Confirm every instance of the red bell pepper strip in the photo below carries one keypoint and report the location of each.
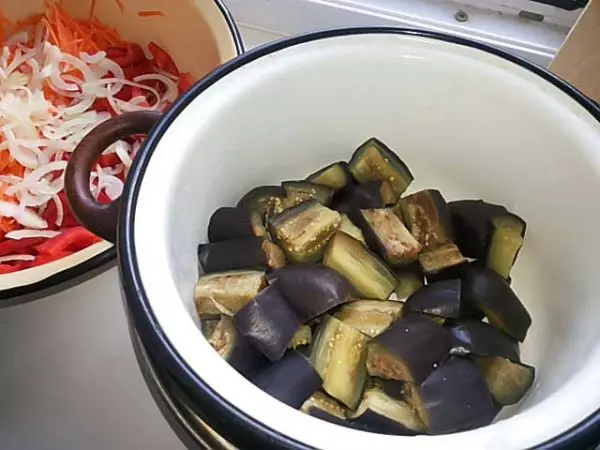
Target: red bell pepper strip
(70, 240)
(162, 59)
(19, 246)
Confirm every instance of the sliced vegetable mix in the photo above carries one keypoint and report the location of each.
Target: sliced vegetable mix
(361, 305)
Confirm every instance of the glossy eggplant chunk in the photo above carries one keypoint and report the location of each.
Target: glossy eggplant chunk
(240, 253)
(408, 280)
(304, 230)
(336, 176)
(472, 337)
(365, 271)
(507, 380)
(267, 200)
(208, 325)
(392, 388)
(300, 191)
(227, 292)
(290, 380)
(445, 256)
(311, 289)
(302, 337)
(409, 350)
(348, 227)
(375, 194)
(375, 161)
(268, 323)
(491, 294)
(338, 354)
(472, 221)
(231, 223)
(379, 412)
(370, 317)
(441, 299)
(455, 398)
(427, 216)
(323, 407)
(387, 236)
(506, 240)
(234, 349)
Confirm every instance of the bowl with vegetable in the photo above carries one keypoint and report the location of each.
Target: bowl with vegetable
(367, 238)
(65, 67)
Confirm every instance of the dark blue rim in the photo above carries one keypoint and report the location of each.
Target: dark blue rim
(227, 420)
(93, 266)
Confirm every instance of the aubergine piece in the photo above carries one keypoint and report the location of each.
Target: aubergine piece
(472, 221)
(227, 292)
(505, 242)
(300, 191)
(302, 337)
(240, 253)
(409, 350)
(304, 230)
(367, 273)
(384, 414)
(348, 227)
(234, 349)
(387, 236)
(290, 380)
(392, 388)
(408, 280)
(338, 354)
(336, 176)
(439, 259)
(507, 380)
(374, 160)
(311, 289)
(267, 200)
(472, 337)
(209, 324)
(235, 222)
(375, 194)
(268, 323)
(441, 299)
(323, 407)
(491, 294)
(427, 216)
(370, 317)
(455, 398)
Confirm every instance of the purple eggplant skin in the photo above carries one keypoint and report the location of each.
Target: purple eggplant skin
(290, 380)
(268, 323)
(241, 253)
(491, 294)
(409, 350)
(472, 220)
(264, 199)
(455, 397)
(373, 194)
(441, 299)
(311, 289)
(482, 339)
(235, 222)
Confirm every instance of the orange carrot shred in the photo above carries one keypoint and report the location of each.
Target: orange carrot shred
(150, 13)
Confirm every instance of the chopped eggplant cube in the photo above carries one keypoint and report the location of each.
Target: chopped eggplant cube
(338, 354)
(300, 191)
(387, 236)
(375, 161)
(240, 253)
(348, 227)
(472, 337)
(302, 337)
(392, 388)
(506, 240)
(231, 223)
(492, 295)
(408, 280)
(455, 398)
(507, 380)
(472, 221)
(335, 176)
(304, 230)
(227, 292)
(268, 323)
(409, 350)
(427, 216)
(384, 414)
(434, 261)
(323, 407)
(311, 289)
(290, 380)
(375, 194)
(208, 325)
(441, 299)
(267, 200)
(367, 273)
(370, 317)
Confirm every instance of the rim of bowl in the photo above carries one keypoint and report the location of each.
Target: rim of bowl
(49, 278)
(226, 418)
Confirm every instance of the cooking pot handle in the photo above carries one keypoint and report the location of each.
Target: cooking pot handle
(100, 219)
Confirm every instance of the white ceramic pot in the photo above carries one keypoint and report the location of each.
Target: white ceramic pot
(468, 120)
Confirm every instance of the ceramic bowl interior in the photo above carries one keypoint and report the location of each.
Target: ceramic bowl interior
(467, 122)
(195, 33)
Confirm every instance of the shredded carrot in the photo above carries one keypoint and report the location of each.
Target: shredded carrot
(150, 13)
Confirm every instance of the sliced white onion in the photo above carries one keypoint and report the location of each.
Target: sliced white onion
(17, 38)
(10, 258)
(31, 179)
(25, 217)
(92, 59)
(172, 90)
(10, 179)
(59, 210)
(123, 153)
(26, 233)
(113, 186)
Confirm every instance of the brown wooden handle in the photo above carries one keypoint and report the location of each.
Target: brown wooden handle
(100, 219)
